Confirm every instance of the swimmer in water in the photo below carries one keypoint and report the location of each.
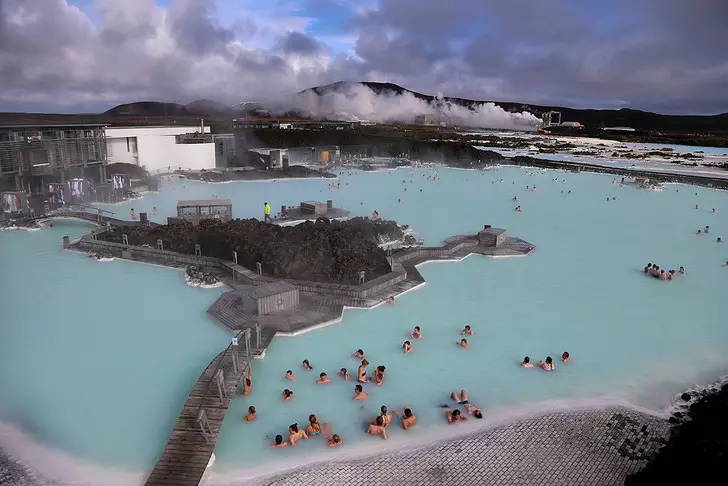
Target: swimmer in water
(515, 199)
(287, 395)
(407, 347)
(289, 375)
(526, 363)
(565, 357)
(294, 434)
(335, 441)
(248, 382)
(408, 418)
(682, 270)
(417, 333)
(463, 343)
(359, 393)
(465, 402)
(548, 365)
(379, 375)
(323, 379)
(251, 414)
(279, 442)
(467, 331)
(362, 371)
(313, 428)
(377, 428)
(344, 373)
(453, 416)
(386, 418)
(719, 240)
(359, 354)
(306, 365)
(648, 268)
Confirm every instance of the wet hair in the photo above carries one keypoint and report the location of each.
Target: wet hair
(322, 375)
(417, 328)
(360, 351)
(381, 368)
(312, 418)
(467, 327)
(407, 412)
(463, 340)
(289, 372)
(383, 408)
(287, 392)
(379, 420)
(306, 363)
(478, 414)
(293, 427)
(649, 265)
(279, 439)
(364, 362)
(526, 359)
(343, 370)
(406, 343)
(358, 388)
(336, 438)
(565, 355)
(251, 409)
(548, 360)
(456, 413)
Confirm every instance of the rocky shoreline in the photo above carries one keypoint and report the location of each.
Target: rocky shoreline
(697, 450)
(292, 172)
(321, 251)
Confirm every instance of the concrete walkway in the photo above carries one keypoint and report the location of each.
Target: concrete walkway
(584, 447)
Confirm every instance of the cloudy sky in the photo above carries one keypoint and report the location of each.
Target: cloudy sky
(86, 55)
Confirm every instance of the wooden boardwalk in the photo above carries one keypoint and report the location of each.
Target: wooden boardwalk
(90, 214)
(189, 449)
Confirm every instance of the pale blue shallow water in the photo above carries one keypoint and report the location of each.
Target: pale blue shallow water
(582, 290)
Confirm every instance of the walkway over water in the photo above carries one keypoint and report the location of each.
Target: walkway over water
(90, 214)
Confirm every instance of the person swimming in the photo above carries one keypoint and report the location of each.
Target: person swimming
(289, 375)
(306, 365)
(565, 357)
(526, 363)
(453, 416)
(465, 402)
(377, 428)
(248, 382)
(408, 418)
(648, 268)
(362, 371)
(359, 354)
(407, 347)
(682, 270)
(416, 333)
(548, 365)
(323, 379)
(295, 434)
(313, 428)
(251, 414)
(344, 373)
(335, 441)
(359, 393)
(279, 442)
(467, 331)
(379, 375)
(287, 395)
(463, 343)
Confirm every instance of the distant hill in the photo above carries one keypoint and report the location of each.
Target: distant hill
(148, 108)
(592, 119)
(211, 108)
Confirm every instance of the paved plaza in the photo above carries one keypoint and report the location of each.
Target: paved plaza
(589, 447)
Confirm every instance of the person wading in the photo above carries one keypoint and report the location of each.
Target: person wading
(266, 212)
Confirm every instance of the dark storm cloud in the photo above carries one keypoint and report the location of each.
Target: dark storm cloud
(299, 43)
(666, 55)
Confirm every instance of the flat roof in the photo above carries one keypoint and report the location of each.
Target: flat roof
(204, 202)
(51, 125)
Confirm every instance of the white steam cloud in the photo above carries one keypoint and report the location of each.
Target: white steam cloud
(357, 102)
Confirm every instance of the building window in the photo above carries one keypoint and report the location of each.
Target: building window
(127, 144)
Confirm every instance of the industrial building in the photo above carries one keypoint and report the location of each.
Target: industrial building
(32, 156)
(427, 120)
(160, 149)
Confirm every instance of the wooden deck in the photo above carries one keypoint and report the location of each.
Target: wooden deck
(188, 451)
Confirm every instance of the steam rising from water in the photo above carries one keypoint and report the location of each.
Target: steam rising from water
(357, 102)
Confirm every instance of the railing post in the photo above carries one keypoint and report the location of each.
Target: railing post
(257, 334)
(220, 380)
(235, 257)
(362, 277)
(259, 268)
(125, 240)
(236, 362)
(204, 424)
(198, 250)
(160, 245)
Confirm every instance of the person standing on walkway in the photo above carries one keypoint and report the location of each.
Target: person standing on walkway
(266, 212)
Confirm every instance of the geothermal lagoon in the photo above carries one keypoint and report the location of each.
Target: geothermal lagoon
(101, 369)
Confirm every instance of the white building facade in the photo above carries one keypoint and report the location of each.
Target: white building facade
(158, 149)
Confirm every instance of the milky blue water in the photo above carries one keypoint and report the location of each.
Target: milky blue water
(582, 290)
(96, 359)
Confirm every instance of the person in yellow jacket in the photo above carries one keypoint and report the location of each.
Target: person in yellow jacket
(266, 211)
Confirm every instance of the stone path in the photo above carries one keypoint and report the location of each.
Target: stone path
(586, 447)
